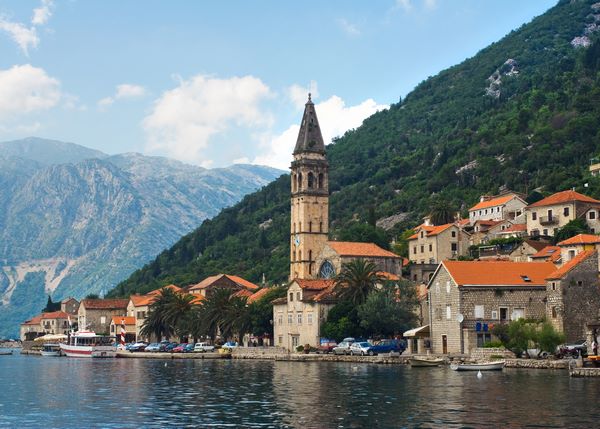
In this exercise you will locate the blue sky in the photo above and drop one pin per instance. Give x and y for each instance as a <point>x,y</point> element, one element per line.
<point>212,83</point>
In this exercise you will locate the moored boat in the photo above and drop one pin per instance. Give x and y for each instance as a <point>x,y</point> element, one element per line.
<point>50,350</point>
<point>6,352</point>
<point>482,366</point>
<point>87,344</point>
<point>425,361</point>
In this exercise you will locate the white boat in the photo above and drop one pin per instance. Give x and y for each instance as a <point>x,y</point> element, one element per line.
<point>483,366</point>
<point>6,352</point>
<point>87,344</point>
<point>50,349</point>
<point>425,361</point>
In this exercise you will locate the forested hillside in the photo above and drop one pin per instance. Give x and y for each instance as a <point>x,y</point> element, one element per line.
<point>523,114</point>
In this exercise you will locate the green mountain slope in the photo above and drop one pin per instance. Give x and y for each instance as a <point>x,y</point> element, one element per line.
<point>523,113</point>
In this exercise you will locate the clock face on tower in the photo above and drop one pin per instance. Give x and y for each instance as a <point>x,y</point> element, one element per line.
<point>297,240</point>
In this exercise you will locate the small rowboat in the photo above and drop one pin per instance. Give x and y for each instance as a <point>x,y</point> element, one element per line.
<point>50,350</point>
<point>423,361</point>
<point>6,352</point>
<point>483,366</point>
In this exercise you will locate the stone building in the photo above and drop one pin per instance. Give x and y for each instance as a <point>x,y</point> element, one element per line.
<point>571,247</point>
<point>95,314</point>
<point>55,322</point>
<point>466,298</point>
<point>297,318</point>
<point>69,305</point>
<point>546,216</point>
<point>548,253</point>
<point>574,295</point>
<point>222,281</point>
<point>31,328</point>
<point>431,245</point>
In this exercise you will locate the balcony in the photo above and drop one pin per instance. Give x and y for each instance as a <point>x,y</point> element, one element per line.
<point>549,220</point>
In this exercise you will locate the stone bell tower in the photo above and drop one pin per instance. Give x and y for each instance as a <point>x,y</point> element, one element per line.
<point>310,197</point>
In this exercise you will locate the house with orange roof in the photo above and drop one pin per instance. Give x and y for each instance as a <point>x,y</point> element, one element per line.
<point>573,296</point>
<point>432,244</point>
<point>31,328</point>
<point>571,247</point>
<point>222,281</point>
<point>55,322</point>
<point>548,253</point>
<point>509,206</point>
<point>467,298</point>
<point>546,216</point>
<point>297,318</point>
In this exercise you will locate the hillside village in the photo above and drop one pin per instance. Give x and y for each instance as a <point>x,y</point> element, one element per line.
<point>500,264</point>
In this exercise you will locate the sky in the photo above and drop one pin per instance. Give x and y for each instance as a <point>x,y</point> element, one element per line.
<point>214,83</point>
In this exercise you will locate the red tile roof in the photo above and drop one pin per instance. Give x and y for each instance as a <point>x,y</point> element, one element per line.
<point>104,304</point>
<point>55,315</point>
<point>551,253</point>
<point>566,268</point>
<point>349,248</point>
<point>564,197</point>
<point>327,294</point>
<point>517,227</point>
<point>498,273</point>
<point>235,279</point>
<point>243,292</point>
<point>314,284</point>
<point>129,320</point>
<point>36,320</point>
<point>580,239</point>
<point>142,300</point>
<point>498,201</point>
<point>431,230</point>
<point>388,276</point>
<point>258,295</point>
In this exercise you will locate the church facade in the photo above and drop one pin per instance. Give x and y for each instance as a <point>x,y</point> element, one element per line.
<point>314,260</point>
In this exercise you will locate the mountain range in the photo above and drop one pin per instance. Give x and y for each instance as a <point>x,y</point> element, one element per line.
<point>75,221</point>
<point>522,114</point>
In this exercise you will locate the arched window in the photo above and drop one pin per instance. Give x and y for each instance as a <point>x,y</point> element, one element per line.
<point>294,185</point>
<point>311,180</point>
<point>327,271</point>
<point>299,181</point>
<point>309,226</point>
<point>320,226</point>
<point>321,184</point>
<point>310,256</point>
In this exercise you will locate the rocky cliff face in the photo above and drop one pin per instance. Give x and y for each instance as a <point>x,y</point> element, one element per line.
<point>80,226</point>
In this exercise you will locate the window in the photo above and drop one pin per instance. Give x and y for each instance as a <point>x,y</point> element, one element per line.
<point>566,211</point>
<point>438,313</point>
<point>571,254</point>
<point>291,296</point>
<point>422,249</point>
<point>453,234</point>
<point>309,318</point>
<point>280,339</point>
<point>320,226</point>
<point>327,271</point>
<point>479,312</point>
<point>415,250</point>
<point>579,283</point>
<point>299,180</point>
<point>485,211</point>
<point>309,226</point>
<point>102,320</point>
<point>321,181</point>
<point>545,232</point>
<point>553,285</point>
<point>518,313</point>
<point>280,319</point>
<point>290,321</point>
<point>421,234</point>
<point>430,248</point>
<point>299,318</point>
<point>295,341</point>
<point>297,296</point>
<point>533,216</point>
<point>503,314</point>
<point>549,214</point>
<point>448,287</point>
<point>592,214</point>
<point>554,312</point>
<point>448,312</point>
<point>454,247</point>
<point>311,180</point>
<point>494,315</point>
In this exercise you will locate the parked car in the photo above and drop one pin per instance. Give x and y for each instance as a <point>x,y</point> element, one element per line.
<point>575,349</point>
<point>163,345</point>
<point>326,346</point>
<point>169,347</point>
<point>180,348</point>
<point>342,348</point>
<point>154,347</point>
<point>203,347</point>
<point>230,345</point>
<point>361,348</point>
<point>387,346</point>
<point>137,347</point>
<point>189,348</point>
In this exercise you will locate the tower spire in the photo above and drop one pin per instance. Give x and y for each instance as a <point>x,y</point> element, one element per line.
<point>310,138</point>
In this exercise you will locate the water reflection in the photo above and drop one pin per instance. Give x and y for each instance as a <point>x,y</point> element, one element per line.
<point>60,392</point>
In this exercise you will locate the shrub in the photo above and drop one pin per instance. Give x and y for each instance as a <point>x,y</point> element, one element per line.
<point>300,348</point>
<point>493,345</point>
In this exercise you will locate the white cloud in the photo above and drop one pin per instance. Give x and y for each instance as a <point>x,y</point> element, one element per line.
<point>42,14</point>
<point>26,89</point>
<point>349,28</point>
<point>183,120</point>
<point>24,37</point>
<point>299,94</point>
<point>335,118</point>
<point>124,90</point>
<point>408,5</point>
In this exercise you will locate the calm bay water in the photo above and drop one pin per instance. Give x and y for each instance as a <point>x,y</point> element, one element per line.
<point>131,393</point>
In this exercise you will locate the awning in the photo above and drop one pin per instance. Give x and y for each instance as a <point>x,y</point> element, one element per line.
<point>51,337</point>
<point>422,331</point>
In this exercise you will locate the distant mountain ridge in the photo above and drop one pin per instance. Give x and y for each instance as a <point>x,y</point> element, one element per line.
<point>522,114</point>
<point>75,221</point>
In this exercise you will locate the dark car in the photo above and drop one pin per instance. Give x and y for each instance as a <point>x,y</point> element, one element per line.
<point>387,346</point>
<point>170,347</point>
<point>575,349</point>
<point>189,348</point>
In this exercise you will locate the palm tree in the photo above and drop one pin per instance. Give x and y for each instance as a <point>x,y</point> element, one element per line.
<point>157,322</point>
<point>211,314</point>
<point>178,312</point>
<point>441,211</point>
<point>356,280</point>
<point>237,318</point>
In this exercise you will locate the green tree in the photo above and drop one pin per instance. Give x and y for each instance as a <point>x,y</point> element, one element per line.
<point>547,338</point>
<point>365,233</point>
<point>441,211</point>
<point>262,311</point>
<point>158,322</point>
<point>356,280</point>
<point>571,229</point>
<point>389,310</point>
<point>211,317</point>
<point>51,306</point>
<point>342,321</point>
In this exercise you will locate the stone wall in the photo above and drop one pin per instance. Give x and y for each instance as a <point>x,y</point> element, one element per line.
<point>536,363</point>
<point>484,354</point>
<point>443,292</point>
